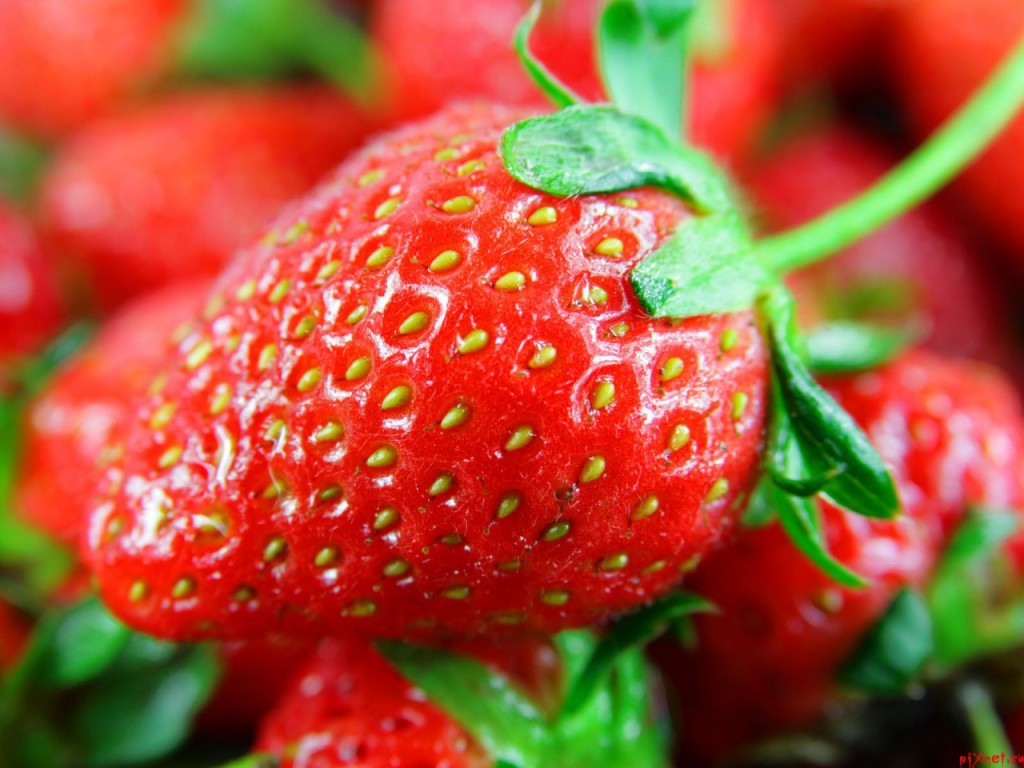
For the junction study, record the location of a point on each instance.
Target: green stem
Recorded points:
(254, 761)
(989, 735)
(952, 147)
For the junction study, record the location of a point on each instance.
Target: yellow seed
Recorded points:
(555, 531)
(182, 332)
(654, 567)
(396, 568)
(199, 354)
(414, 323)
(385, 456)
(739, 404)
(244, 594)
(294, 232)
(610, 246)
(158, 384)
(138, 591)
(672, 369)
(275, 549)
(328, 433)
(645, 508)
(508, 619)
(680, 436)
(183, 588)
(309, 380)
(442, 484)
(385, 518)
(520, 438)
(170, 457)
(280, 291)
(458, 592)
(275, 430)
(246, 290)
(592, 469)
(396, 398)
(455, 417)
(162, 416)
(460, 204)
(470, 167)
(380, 257)
(213, 307)
(619, 330)
(554, 597)
(357, 314)
(509, 503)
(473, 341)
(267, 355)
(510, 281)
(451, 540)
(603, 396)
(718, 490)
(628, 202)
(330, 492)
(595, 294)
(359, 369)
(614, 562)
(445, 261)
(370, 177)
(543, 357)
(729, 339)
(386, 208)
(327, 271)
(543, 216)
(326, 556)
(361, 608)
(510, 566)
(305, 327)
(448, 153)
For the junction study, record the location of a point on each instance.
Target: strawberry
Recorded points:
(933, 83)
(429, 402)
(72, 428)
(734, 80)
(917, 273)
(30, 306)
(953, 434)
(169, 191)
(13, 633)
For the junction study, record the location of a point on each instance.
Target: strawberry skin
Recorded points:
(953, 435)
(73, 428)
(169, 191)
(917, 273)
(62, 64)
(429, 401)
(30, 306)
(934, 83)
(734, 82)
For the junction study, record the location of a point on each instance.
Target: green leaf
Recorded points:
(848, 347)
(79, 645)
(855, 477)
(145, 714)
(800, 519)
(892, 653)
(632, 631)
(553, 88)
(704, 268)
(504, 721)
(589, 149)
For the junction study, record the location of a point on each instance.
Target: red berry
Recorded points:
(74, 428)
(171, 190)
(13, 635)
(953, 435)
(431, 402)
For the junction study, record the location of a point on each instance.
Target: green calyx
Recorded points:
(269, 39)
(607, 714)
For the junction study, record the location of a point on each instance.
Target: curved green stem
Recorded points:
(952, 147)
(989, 736)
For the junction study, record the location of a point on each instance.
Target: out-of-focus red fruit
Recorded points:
(13, 635)
(169, 191)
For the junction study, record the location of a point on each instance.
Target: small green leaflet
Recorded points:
(78, 645)
(559, 93)
(853, 474)
(892, 653)
(848, 347)
(642, 52)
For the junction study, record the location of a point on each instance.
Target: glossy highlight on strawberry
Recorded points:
(428, 402)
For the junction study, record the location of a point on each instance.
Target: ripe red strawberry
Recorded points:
(734, 81)
(432, 403)
(169, 191)
(348, 706)
(13, 634)
(916, 273)
(30, 308)
(953, 435)
(62, 65)
(72, 430)
(934, 83)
